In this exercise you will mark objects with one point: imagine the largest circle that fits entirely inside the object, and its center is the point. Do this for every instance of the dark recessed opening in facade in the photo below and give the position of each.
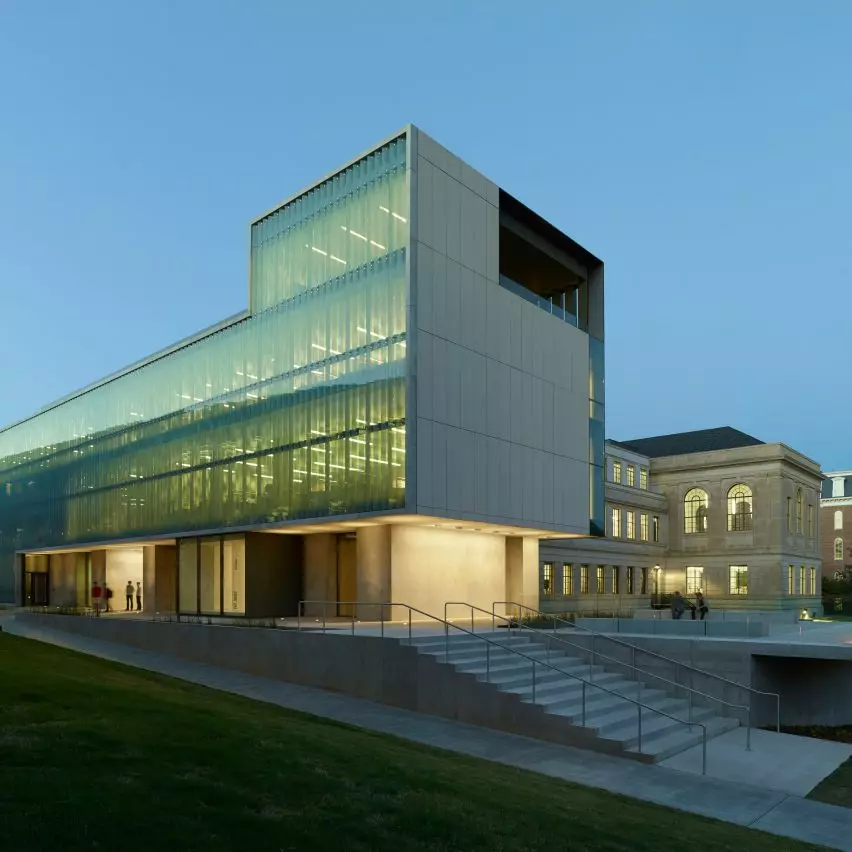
(542, 265)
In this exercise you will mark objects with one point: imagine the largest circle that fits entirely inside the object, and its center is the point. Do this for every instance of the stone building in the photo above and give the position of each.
(836, 523)
(715, 510)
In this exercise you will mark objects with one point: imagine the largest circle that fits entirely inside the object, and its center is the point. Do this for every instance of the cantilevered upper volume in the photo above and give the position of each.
(420, 349)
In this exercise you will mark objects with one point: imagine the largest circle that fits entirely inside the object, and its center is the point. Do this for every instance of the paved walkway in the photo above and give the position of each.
(769, 810)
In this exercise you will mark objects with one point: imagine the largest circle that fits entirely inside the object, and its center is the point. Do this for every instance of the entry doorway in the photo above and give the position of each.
(347, 583)
(37, 591)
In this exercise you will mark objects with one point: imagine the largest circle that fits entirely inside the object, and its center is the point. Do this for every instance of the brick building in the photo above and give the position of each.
(836, 522)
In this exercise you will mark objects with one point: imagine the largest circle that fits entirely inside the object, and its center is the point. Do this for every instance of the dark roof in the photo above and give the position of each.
(700, 441)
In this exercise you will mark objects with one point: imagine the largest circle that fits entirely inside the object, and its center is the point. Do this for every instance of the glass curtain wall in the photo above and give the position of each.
(297, 411)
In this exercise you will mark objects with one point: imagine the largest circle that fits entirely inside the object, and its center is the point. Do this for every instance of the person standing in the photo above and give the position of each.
(701, 603)
(107, 595)
(678, 606)
(97, 591)
(128, 596)
(138, 596)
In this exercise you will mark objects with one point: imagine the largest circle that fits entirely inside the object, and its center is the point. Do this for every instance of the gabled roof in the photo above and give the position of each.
(681, 443)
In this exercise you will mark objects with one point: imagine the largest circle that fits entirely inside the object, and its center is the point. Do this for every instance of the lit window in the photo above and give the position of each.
(694, 579)
(616, 523)
(616, 471)
(643, 477)
(838, 550)
(615, 587)
(695, 511)
(584, 579)
(643, 527)
(656, 528)
(739, 580)
(739, 508)
(838, 519)
(599, 580)
(801, 579)
(567, 580)
(799, 510)
(547, 578)
(631, 525)
(631, 475)
(630, 581)
(813, 580)
(791, 588)
(810, 520)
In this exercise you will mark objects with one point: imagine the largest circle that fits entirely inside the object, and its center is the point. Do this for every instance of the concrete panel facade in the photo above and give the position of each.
(502, 396)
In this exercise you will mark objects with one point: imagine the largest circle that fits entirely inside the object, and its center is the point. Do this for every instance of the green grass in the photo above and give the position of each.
(97, 756)
(837, 788)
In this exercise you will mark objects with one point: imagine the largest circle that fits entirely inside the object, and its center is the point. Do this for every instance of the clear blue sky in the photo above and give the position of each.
(702, 149)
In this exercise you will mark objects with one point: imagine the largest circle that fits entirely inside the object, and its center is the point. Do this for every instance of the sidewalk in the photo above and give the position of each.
(771, 811)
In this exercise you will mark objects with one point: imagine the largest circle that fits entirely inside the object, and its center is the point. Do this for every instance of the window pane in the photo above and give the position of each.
(547, 578)
(188, 575)
(694, 580)
(584, 579)
(567, 580)
(234, 575)
(210, 576)
(738, 580)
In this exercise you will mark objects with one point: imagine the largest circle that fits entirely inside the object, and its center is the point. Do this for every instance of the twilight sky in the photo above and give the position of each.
(702, 149)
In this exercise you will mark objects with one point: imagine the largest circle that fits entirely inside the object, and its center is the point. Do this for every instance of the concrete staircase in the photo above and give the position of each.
(609, 715)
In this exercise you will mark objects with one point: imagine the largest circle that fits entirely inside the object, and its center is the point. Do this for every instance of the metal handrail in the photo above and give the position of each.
(489, 642)
(686, 666)
(593, 655)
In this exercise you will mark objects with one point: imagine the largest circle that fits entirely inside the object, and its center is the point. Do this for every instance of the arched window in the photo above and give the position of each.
(695, 511)
(798, 510)
(838, 549)
(739, 508)
(838, 520)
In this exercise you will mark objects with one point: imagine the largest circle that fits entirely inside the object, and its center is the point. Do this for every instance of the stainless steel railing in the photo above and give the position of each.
(679, 666)
(489, 643)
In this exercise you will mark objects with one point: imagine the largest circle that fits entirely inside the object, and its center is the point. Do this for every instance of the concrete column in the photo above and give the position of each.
(522, 571)
(319, 572)
(374, 571)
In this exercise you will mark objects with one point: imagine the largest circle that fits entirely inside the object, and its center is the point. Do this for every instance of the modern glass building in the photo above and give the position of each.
(413, 398)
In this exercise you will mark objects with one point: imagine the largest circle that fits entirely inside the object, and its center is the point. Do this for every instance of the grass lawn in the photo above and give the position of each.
(837, 788)
(95, 755)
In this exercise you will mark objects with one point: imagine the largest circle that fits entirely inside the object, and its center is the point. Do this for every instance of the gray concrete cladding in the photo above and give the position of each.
(501, 389)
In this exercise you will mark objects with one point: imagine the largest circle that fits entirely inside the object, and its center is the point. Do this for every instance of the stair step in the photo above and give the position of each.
(564, 689)
(665, 744)
(597, 702)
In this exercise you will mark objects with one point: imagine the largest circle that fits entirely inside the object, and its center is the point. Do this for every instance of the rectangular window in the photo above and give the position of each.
(631, 475)
(630, 580)
(567, 580)
(234, 575)
(616, 472)
(655, 527)
(810, 520)
(802, 590)
(631, 525)
(616, 523)
(643, 478)
(791, 581)
(210, 574)
(643, 527)
(738, 580)
(188, 575)
(813, 580)
(790, 514)
(584, 579)
(547, 578)
(694, 580)
(643, 581)
(599, 580)
(616, 589)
